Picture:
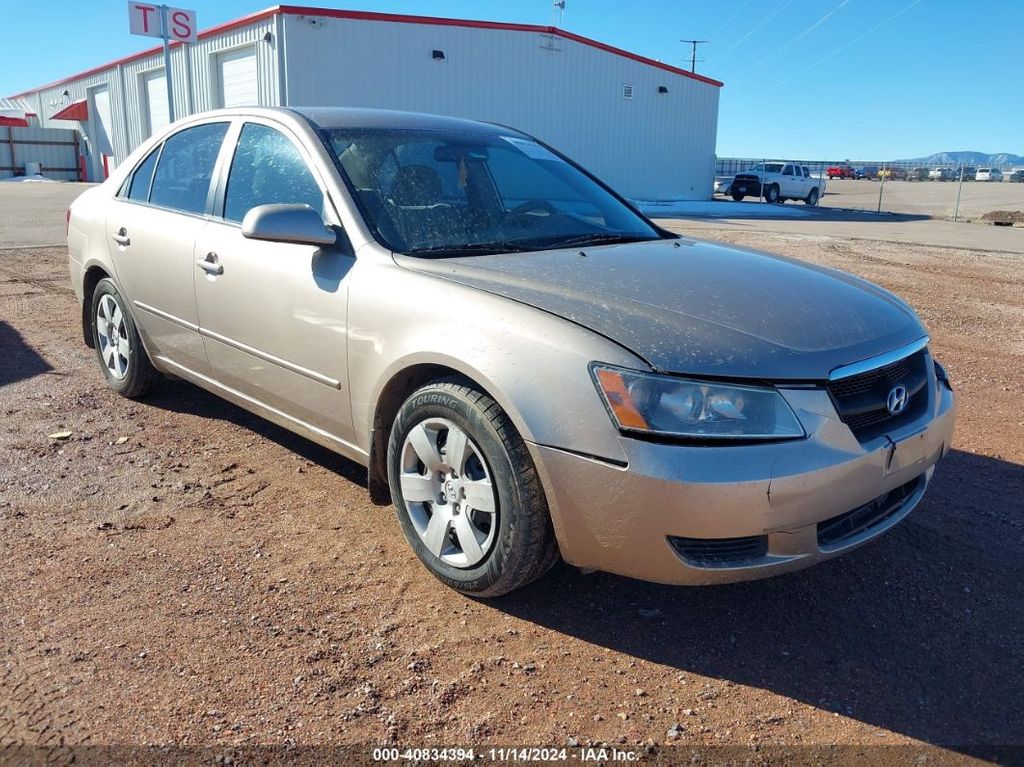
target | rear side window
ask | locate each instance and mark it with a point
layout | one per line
(139, 187)
(267, 169)
(183, 174)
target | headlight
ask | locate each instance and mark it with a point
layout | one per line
(680, 407)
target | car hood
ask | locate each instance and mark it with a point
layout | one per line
(698, 308)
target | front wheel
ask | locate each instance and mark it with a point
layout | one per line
(771, 194)
(123, 359)
(466, 491)
(738, 197)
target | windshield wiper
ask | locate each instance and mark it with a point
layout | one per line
(479, 248)
(598, 238)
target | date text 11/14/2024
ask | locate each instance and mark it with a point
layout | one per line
(506, 754)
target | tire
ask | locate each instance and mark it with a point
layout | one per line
(738, 197)
(771, 194)
(518, 543)
(812, 197)
(130, 374)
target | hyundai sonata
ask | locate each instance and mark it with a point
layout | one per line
(528, 367)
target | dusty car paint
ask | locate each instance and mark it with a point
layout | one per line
(322, 340)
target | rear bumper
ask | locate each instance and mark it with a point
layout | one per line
(787, 499)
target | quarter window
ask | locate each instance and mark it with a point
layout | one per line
(267, 169)
(138, 189)
(183, 175)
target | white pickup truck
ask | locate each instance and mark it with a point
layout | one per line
(778, 182)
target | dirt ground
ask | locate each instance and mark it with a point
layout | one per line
(179, 572)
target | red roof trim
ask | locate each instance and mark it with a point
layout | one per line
(299, 10)
(77, 110)
(13, 122)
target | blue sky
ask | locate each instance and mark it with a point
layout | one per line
(879, 79)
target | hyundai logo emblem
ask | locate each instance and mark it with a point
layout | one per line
(896, 402)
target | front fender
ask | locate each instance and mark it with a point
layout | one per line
(533, 364)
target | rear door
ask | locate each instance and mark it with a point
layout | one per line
(273, 316)
(152, 228)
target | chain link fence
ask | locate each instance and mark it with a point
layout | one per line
(960, 191)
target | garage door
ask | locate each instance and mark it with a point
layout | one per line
(238, 78)
(101, 122)
(154, 86)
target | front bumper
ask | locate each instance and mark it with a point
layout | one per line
(629, 520)
(748, 187)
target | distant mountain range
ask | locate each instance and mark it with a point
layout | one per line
(969, 158)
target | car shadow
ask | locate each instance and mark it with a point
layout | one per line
(918, 632)
(183, 397)
(18, 360)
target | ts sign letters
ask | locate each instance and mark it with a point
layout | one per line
(144, 19)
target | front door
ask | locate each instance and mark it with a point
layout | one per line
(152, 230)
(272, 314)
(792, 182)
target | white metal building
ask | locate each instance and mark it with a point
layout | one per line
(645, 127)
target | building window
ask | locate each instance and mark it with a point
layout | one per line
(627, 91)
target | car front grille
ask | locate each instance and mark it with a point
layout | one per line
(860, 400)
(873, 513)
(720, 552)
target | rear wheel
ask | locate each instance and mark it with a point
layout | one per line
(812, 198)
(466, 492)
(123, 359)
(771, 194)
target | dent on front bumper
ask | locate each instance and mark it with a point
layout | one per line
(628, 520)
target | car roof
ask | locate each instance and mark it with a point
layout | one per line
(350, 117)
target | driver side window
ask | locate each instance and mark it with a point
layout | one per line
(268, 169)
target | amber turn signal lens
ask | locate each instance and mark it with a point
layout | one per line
(617, 395)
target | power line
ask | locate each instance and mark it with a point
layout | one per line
(842, 48)
(775, 12)
(779, 51)
(693, 55)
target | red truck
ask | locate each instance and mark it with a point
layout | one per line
(841, 171)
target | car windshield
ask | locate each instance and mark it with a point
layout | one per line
(437, 193)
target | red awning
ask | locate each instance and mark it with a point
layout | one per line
(13, 122)
(77, 110)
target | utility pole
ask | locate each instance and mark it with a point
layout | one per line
(693, 54)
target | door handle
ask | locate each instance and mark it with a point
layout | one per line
(121, 237)
(211, 264)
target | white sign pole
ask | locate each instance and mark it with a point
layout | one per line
(165, 32)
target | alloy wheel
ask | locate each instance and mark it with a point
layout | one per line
(447, 492)
(115, 348)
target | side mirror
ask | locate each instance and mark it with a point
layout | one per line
(298, 224)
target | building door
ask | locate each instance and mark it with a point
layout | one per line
(101, 123)
(154, 88)
(237, 75)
